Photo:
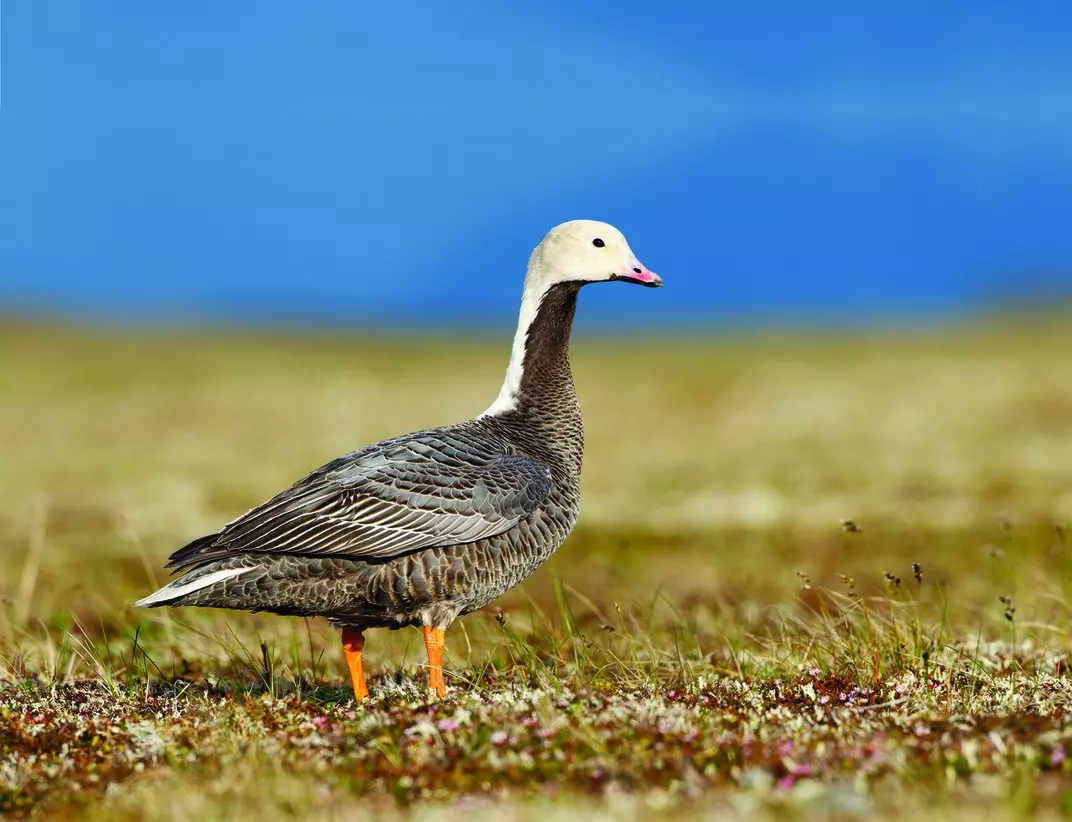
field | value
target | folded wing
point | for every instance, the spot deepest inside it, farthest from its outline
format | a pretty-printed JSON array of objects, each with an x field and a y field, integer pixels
[{"x": 433, "y": 488}]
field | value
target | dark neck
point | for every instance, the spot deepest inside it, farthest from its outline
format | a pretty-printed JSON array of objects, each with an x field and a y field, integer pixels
[
  {"x": 546, "y": 379},
  {"x": 537, "y": 408}
]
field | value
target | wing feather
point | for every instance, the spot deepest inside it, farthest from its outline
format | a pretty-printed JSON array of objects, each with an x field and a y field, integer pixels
[{"x": 432, "y": 488}]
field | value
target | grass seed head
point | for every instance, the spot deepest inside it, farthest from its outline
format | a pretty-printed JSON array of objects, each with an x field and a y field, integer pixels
[
  {"x": 1010, "y": 607},
  {"x": 850, "y": 585}
]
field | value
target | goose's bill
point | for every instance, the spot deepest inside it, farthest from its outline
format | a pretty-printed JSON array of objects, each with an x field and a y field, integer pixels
[{"x": 637, "y": 272}]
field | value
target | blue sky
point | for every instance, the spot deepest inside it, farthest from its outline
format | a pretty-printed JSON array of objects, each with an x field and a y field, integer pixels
[{"x": 396, "y": 162}]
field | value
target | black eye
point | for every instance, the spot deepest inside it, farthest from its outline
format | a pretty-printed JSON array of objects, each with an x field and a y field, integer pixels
[{"x": 598, "y": 243}]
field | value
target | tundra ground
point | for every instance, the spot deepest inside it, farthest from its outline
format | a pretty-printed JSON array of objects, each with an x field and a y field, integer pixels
[{"x": 817, "y": 575}]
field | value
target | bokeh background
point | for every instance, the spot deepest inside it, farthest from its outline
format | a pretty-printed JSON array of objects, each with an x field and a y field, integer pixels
[
  {"x": 391, "y": 164},
  {"x": 236, "y": 242}
]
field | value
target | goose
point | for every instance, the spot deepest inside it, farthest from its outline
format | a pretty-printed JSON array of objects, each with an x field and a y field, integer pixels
[{"x": 422, "y": 528}]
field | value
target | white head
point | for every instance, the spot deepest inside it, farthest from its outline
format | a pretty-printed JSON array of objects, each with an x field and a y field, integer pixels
[
  {"x": 580, "y": 251},
  {"x": 585, "y": 251}
]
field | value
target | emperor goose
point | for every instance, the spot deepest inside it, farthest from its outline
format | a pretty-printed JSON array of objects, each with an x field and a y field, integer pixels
[{"x": 424, "y": 527}]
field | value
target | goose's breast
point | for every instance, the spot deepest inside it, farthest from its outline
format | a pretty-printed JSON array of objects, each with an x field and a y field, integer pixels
[{"x": 479, "y": 573}]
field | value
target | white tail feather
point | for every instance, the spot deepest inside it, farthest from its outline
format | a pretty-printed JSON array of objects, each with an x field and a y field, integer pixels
[{"x": 180, "y": 587}]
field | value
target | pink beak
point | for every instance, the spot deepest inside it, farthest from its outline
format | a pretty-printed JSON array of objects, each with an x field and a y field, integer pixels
[{"x": 636, "y": 272}]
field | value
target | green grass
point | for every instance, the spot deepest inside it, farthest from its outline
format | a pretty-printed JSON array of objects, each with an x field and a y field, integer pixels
[{"x": 737, "y": 626}]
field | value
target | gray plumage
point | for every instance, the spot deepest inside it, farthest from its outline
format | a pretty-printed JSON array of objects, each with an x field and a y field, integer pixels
[{"x": 421, "y": 528}]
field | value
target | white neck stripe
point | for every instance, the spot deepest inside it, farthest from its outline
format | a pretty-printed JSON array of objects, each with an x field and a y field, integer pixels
[{"x": 511, "y": 387}]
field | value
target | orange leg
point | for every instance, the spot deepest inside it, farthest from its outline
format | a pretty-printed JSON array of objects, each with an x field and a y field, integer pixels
[
  {"x": 434, "y": 641},
  {"x": 352, "y": 644}
]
